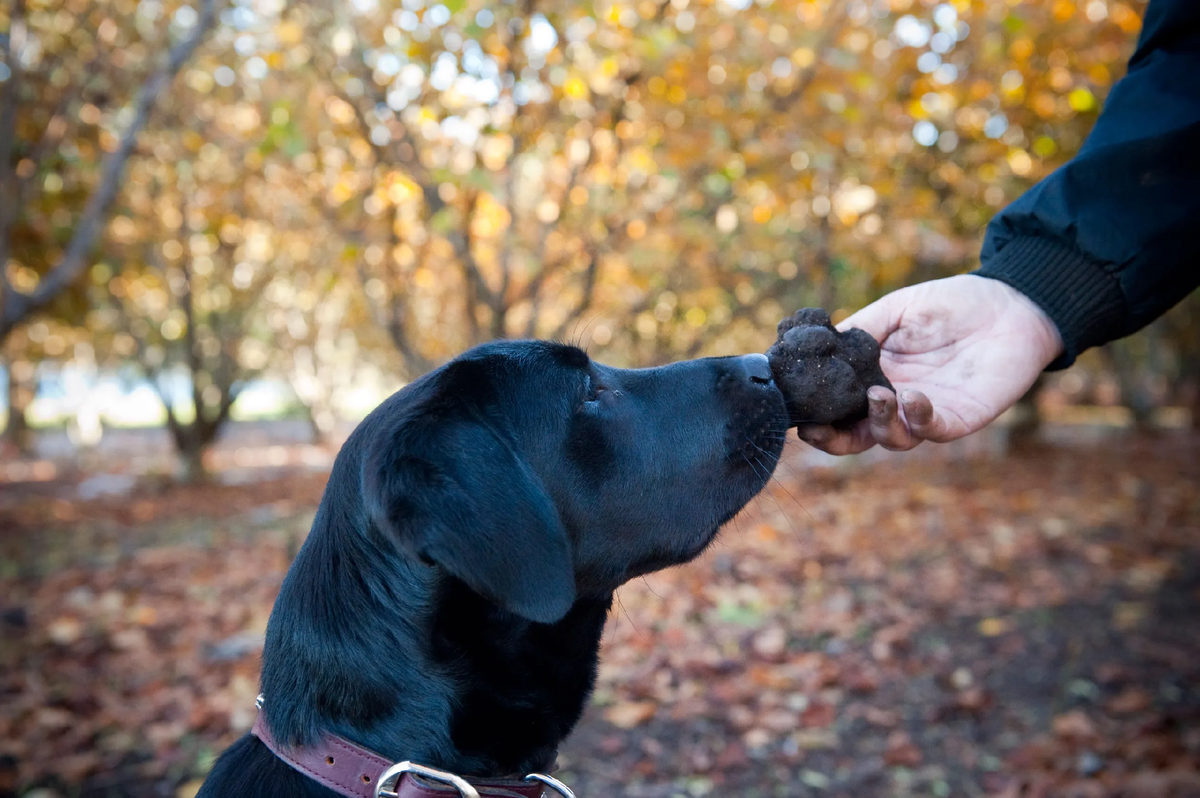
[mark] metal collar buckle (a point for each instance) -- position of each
(389, 781)
(552, 783)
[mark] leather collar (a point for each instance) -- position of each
(353, 771)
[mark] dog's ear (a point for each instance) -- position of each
(453, 492)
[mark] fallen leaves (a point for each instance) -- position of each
(1074, 724)
(628, 714)
(863, 648)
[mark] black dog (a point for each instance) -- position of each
(448, 605)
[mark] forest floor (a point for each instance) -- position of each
(1016, 626)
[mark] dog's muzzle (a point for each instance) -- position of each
(356, 772)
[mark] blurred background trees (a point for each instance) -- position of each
(207, 197)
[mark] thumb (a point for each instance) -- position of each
(880, 318)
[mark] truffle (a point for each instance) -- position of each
(824, 374)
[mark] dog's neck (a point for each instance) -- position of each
(401, 658)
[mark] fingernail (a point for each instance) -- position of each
(908, 397)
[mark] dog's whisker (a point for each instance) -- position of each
(621, 604)
(785, 490)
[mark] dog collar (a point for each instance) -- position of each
(356, 772)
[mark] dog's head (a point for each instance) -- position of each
(535, 475)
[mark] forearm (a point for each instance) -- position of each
(1107, 243)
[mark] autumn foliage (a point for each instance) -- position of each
(212, 194)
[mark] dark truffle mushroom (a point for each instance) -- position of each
(824, 374)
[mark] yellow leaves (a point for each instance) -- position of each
(1125, 17)
(1099, 74)
(636, 229)
(575, 88)
(339, 111)
(1063, 10)
(627, 129)
(642, 159)
(547, 211)
(803, 57)
(1019, 162)
(1081, 100)
(123, 230)
(404, 255)
(1060, 79)
(496, 151)
(490, 217)
(851, 201)
(425, 278)
(1021, 49)
(199, 81)
(289, 33)
(245, 118)
(342, 190)
(400, 189)
(360, 149)
(1044, 104)
(1044, 147)
(193, 141)
(172, 328)
(22, 277)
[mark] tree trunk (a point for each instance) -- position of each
(321, 422)
(22, 386)
(191, 442)
(1134, 395)
(1027, 418)
(191, 467)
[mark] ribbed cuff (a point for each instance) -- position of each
(1083, 300)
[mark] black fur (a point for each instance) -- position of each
(448, 604)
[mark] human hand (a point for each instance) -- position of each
(960, 351)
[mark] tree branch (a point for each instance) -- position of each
(16, 305)
(9, 100)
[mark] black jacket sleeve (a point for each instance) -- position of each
(1111, 240)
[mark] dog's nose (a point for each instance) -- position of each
(754, 369)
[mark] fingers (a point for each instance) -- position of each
(896, 424)
(883, 418)
(834, 441)
(880, 318)
(900, 425)
(923, 421)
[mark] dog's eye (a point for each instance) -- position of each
(593, 390)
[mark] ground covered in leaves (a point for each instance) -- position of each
(1017, 627)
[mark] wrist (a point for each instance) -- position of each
(1027, 316)
(1082, 297)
